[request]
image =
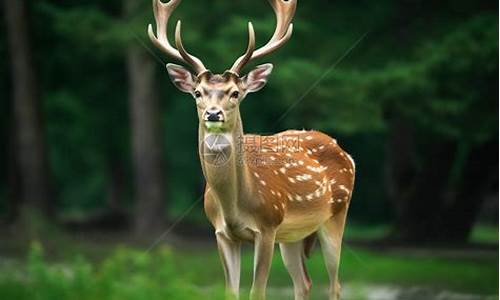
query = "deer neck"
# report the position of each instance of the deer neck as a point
(223, 166)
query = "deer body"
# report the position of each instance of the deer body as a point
(291, 189)
(287, 188)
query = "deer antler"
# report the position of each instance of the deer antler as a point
(162, 12)
(284, 10)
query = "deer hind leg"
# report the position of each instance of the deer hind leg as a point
(293, 258)
(330, 237)
(230, 255)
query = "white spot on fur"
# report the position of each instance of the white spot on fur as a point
(342, 187)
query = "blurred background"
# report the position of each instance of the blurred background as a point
(100, 180)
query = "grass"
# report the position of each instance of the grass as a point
(361, 267)
(83, 270)
(484, 234)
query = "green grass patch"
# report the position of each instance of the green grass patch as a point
(361, 267)
(195, 274)
(366, 232)
(484, 234)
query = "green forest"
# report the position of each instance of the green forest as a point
(100, 170)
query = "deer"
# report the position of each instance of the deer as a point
(290, 188)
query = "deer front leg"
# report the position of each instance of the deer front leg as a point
(230, 255)
(264, 249)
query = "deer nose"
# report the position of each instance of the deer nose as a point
(214, 115)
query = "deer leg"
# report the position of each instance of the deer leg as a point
(293, 258)
(230, 255)
(264, 248)
(330, 236)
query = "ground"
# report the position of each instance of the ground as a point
(110, 266)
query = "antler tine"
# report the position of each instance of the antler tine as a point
(162, 12)
(243, 60)
(190, 59)
(284, 11)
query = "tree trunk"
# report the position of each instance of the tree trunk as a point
(116, 186)
(13, 177)
(400, 170)
(480, 177)
(424, 207)
(146, 138)
(30, 138)
(428, 208)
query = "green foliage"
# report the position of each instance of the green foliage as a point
(445, 89)
(127, 274)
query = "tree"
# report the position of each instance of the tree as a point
(441, 157)
(145, 134)
(436, 113)
(30, 137)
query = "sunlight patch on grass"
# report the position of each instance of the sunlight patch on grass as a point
(365, 231)
(484, 234)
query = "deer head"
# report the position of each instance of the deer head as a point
(218, 96)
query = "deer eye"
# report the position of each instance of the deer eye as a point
(197, 94)
(235, 94)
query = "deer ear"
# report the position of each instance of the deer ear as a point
(181, 77)
(257, 78)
